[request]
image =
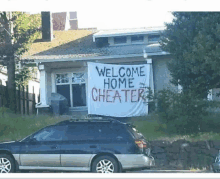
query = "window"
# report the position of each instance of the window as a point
(73, 87)
(120, 40)
(62, 78)
(79, 94)
(78, 132)
(65, 91)
(54, 133)
(137, 38)
(78, 78)
(153, 38)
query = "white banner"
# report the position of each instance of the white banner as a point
(115, 90)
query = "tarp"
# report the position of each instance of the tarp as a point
(116, 90)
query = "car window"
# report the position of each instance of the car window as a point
(54, 133)
(78, 132)
(134, 132)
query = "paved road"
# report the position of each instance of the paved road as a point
(142, 171)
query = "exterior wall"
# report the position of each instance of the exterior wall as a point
(36, 86)
(31, 84)
(161, 74)
(3, 78)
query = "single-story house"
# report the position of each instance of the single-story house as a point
(64, 68)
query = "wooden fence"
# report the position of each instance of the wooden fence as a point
(25, 101)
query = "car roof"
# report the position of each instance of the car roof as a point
(91, 121)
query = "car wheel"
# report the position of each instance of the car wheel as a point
(6, 164)
(105, 164)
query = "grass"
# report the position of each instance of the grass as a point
(152, 129)
(16, 127)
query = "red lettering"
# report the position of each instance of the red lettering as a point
(94, 99)
(132, 95)
(117, 95)
(140, 91)
(103, 96)
(126, 94)
(107, 96)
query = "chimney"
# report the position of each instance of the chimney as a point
(47, 28)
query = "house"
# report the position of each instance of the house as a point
(33, 84)
(63, 65)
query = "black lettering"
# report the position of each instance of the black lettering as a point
(107, 83)
(113, 73)
(120, 72)
(130, 82)
(142, 72)
(108, 72)
(115, 85)
(120, 81)
(101, 72)
(135, 71)
(128, 70)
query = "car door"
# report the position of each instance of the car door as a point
(77, 150)
(43, 148)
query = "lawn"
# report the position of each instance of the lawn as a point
(16, 127)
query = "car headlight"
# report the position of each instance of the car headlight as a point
(217, 159)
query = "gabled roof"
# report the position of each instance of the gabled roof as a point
(79, 45)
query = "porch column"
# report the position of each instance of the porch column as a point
(43, 86)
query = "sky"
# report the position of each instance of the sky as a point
(114, 14)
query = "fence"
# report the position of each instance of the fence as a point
(25, 101)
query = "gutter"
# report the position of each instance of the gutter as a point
(97, 58)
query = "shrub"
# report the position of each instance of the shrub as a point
(183, 113)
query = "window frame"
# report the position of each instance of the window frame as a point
(70, 83)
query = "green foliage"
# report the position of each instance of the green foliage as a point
(23, 76)
(17, 31)
(193, 40)
(185, 113)
(25, 29)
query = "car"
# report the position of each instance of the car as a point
(216, 164)
(93, 145)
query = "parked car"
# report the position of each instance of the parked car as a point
(216, 164)
(102, 146)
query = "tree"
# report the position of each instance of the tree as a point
(18, 31)
(193, 39)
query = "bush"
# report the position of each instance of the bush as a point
(183, 113)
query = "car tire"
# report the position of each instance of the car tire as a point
(7, 164)
(105, 164)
